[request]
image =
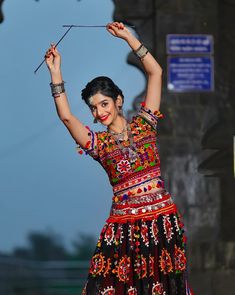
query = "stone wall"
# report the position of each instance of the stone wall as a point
(205, 196)
(1, 13)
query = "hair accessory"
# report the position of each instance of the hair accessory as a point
(141, 51)
(57, 89)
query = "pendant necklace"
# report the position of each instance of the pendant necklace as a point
(127, 151)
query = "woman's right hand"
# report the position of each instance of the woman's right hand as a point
(53, 59)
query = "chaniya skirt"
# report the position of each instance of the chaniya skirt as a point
(141, 250)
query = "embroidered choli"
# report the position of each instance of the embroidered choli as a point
(126, 177)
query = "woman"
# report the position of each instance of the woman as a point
(141, 248)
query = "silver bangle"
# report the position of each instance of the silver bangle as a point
(141, 51)
(57, 89)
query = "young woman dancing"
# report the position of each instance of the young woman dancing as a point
(141, 248)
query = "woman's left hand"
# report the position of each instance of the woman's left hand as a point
(118, 30)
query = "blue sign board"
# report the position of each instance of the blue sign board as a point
(190, 73)
(189, 44)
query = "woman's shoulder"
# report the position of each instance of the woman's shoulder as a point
(146, 116)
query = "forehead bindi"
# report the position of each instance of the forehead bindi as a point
(98, 100)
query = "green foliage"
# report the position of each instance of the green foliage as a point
(84, 246)
(45, 246)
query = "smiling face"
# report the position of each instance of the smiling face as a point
(104, 108)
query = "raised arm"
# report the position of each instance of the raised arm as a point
(151, 67)
(77, 130)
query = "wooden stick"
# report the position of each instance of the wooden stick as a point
(70, 27)
(89, 26)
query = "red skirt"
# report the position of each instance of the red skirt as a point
(141, 250)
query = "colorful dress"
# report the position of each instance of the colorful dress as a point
(141, 248)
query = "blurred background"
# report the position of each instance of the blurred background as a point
(53, 201)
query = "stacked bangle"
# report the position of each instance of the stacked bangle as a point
(141, 51)
(57, 89)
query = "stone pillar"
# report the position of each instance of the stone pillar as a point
(1, 13)
(203, 198)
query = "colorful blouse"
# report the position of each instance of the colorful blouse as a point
(124, 175)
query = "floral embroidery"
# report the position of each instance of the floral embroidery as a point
(141, 222)
(176, 223)
(168, 229)
(132, 291)
(119, 235)
(109, 234)
(165, 262)
(97, 264)
(144, 234)
(150, 117)
(123, 166)
(131, 231)
(107, 267)
(107, 153)
(123, 269)
(154, 231)
(151, 266)
(108, 291)
(141, 267)
(157, 289)
(179, 259)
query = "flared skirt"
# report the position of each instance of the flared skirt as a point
(140, 256)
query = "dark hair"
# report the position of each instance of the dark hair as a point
(103, 85)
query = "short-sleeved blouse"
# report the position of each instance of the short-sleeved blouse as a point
(118, 166)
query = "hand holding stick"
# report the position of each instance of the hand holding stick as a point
(108, 26)
(54, 47)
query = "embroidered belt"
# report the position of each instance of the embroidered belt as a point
(147, 206)
(137, 178)
(137, 185)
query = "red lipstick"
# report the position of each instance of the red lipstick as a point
(103, 118)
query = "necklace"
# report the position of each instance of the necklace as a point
(128, 152)
(119, 135)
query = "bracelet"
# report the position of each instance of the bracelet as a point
(141, 51)
(57, 89)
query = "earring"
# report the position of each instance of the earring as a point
(95, 121)
(120, 112)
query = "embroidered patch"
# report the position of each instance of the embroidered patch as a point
(141, 267)
(132, 291)
(176, 223)
(109, 234)
(131, 231)
(108, 291)
(157, 289)
(154, 231)
(107, 267)
(144, 234)
(97, 264)
(168, 229)
(165, 262)
(122, 270)
(179, 259)
(119, 235)
(123, 166)
(151, 266)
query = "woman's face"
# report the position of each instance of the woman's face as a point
(103, 108)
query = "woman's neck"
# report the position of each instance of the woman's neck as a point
(118, 125)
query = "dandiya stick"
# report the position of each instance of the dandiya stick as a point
(69, 28)
(55, 46)
(89, 26)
